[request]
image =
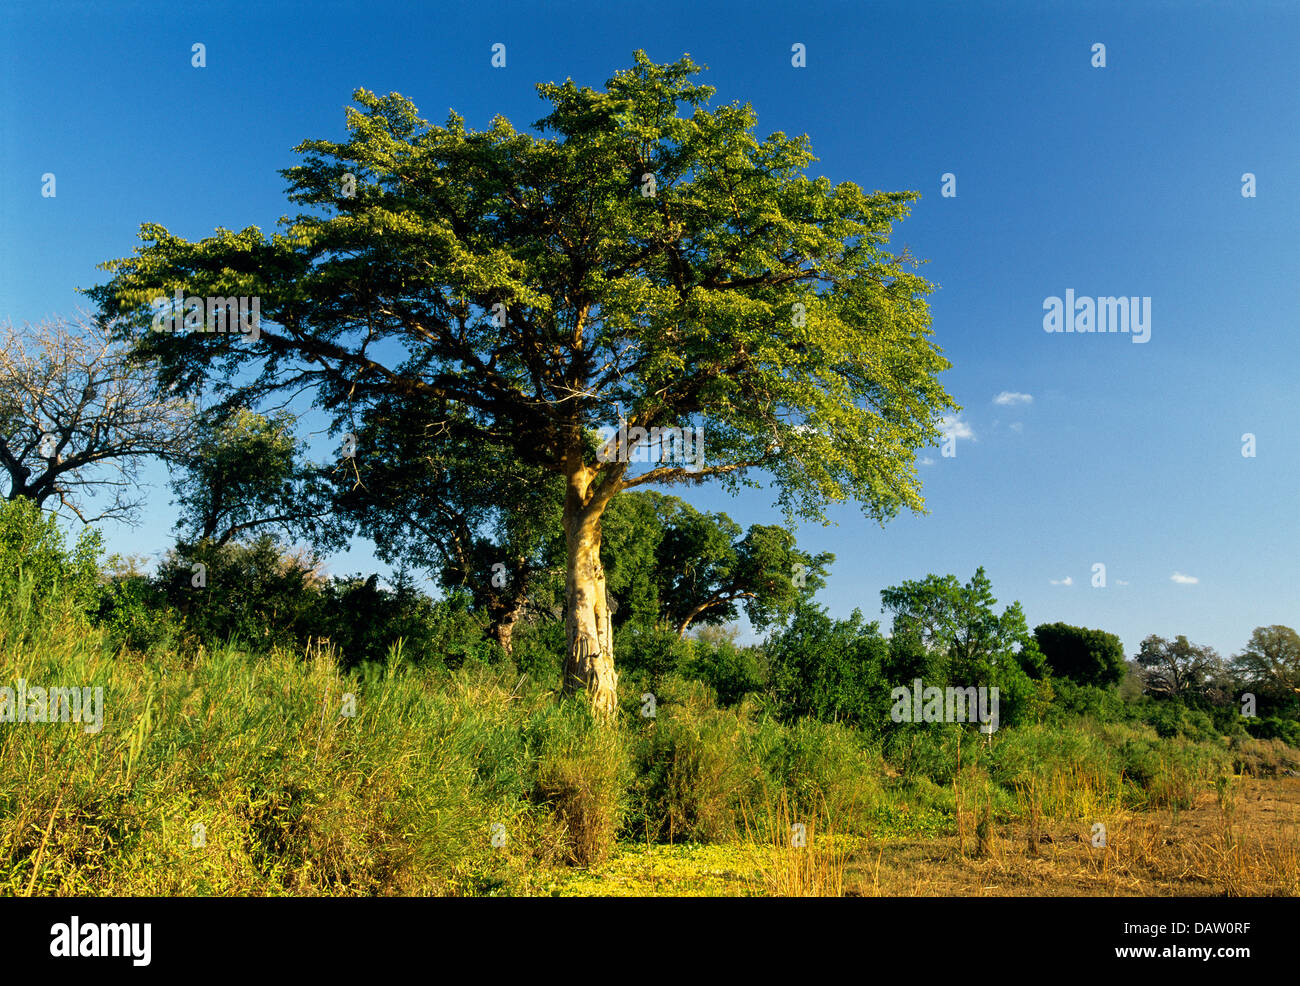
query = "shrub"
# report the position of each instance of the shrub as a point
(582, 777)
(35, 558)
(135, 613)
(732, 672)
(1274, 728)
(828, 669)
(694, 770)
(1101, 704)
(825, 770)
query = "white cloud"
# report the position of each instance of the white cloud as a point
(927, 461)
(1012, 397)
(1068, 580)
(1182, 579)
(1017, 426)
(951, 425)
(1120, 582)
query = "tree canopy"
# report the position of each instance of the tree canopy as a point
(1089, 657)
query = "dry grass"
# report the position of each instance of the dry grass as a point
(800, 856)
(1241, 840)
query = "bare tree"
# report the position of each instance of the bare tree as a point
(77, 418)
(1177, 667)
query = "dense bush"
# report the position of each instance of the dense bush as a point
(732, 672)
(831, 670)
(1089, 657)
(1102, 704)
(1273, 727)
(409, 757)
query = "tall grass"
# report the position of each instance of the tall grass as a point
(224, 772)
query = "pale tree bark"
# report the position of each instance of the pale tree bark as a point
(589, 663)
(503, 625)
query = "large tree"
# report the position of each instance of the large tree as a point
(706, 568)
(436, 494)
(641, 260)
(245, 475)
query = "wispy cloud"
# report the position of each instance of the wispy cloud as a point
(927, 461)
(1017, 426)
(1068, 580)
(951, 425)
(1121, 582)
(1011, 397)
(1182, 579)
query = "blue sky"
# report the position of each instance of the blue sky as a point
(1122, 180)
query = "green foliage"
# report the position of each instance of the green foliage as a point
(539, 651)
(1174, 718)
(468, 510)
(35, 558)
(582, 772)
(671, 564)
(732, 672)
(1088, 657)
(828, 669)
(948, 634)
(705, 569)
(827, 770)
(631, 532)
(693, 771)
(246, 475)
(135, 613)
(1269, 668)
(366, 620)
(649, 653)
(253, 593)
(1101, 704)
(1273, 727)
(940, 614)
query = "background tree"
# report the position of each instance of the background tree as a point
(436, 495)
(78, 417)
(945, 632)
(960, 621)
(705, 569)
(644, 261)
(1270, 665)
(1089, 657)
(1177, 668)
(246, 474)
(256, 593)
(829, 669)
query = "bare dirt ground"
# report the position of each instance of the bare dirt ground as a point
(1245, 842)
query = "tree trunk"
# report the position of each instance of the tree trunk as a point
(589, 633)
(502, 628)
